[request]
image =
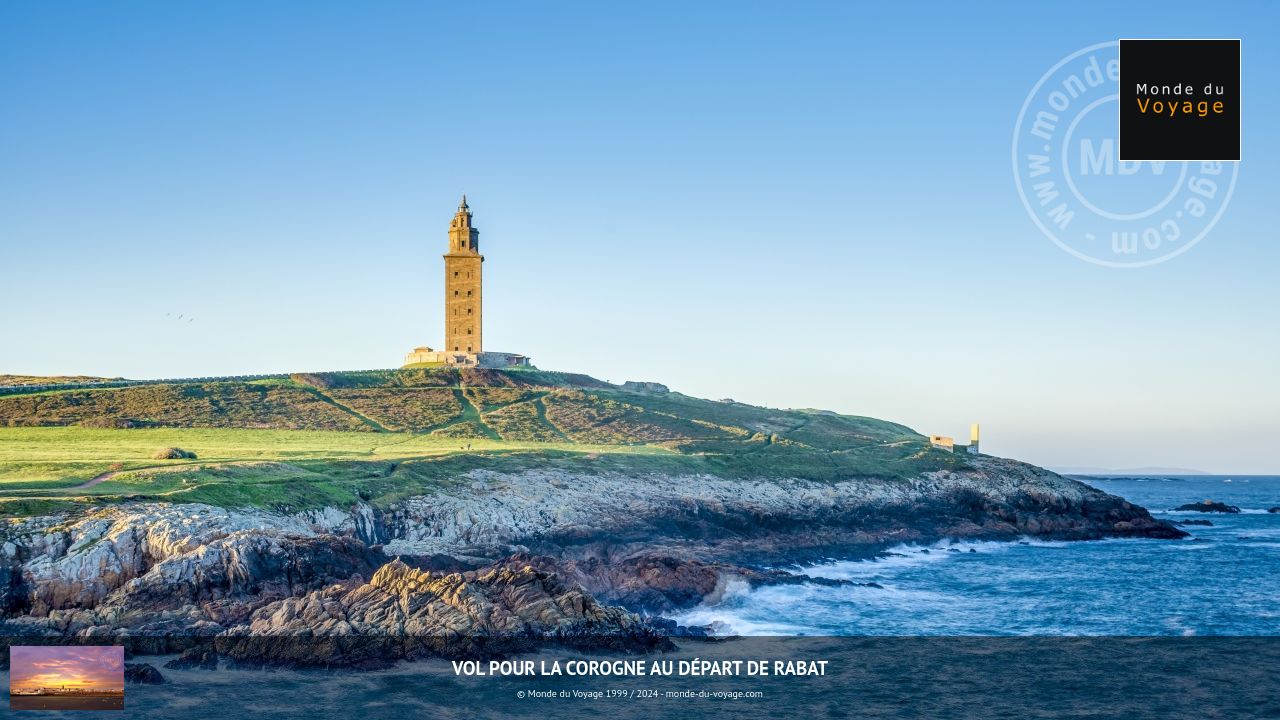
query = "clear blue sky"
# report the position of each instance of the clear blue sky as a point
(791, 204)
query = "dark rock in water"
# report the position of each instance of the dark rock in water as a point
(782, 578)
(1208, 506)
(659, 583)
(196, 657)
(651, 583)
(972, 550)
(1194, 521)
(952, 550)
(925, 551)
(1274, 509)
(142, 674)
(671, 628)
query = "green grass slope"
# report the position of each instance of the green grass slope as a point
(336, 438)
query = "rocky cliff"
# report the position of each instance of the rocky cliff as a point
(499, 563)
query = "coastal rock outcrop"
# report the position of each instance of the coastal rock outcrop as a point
(158, 569)
(1193, 521)
(403, 612)
(142, 674)
(1208, 506)
(747, 521)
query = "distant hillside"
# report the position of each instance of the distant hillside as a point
(23, 380)
(506, 407)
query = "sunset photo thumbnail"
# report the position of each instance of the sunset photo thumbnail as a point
(66, 677)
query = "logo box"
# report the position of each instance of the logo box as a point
(1179, 100)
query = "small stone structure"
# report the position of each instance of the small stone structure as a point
(942, 442)
(427, 356)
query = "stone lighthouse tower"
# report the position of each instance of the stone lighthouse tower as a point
(463, 305)
(463, 309)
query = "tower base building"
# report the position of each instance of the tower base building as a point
(426, 357)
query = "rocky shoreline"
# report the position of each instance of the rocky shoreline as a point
(502, 563)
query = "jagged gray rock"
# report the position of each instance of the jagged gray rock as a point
(403, 612)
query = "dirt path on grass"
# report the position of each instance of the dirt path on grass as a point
(106, 476)
(112, 473)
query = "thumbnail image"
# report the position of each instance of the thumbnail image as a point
(66, 678)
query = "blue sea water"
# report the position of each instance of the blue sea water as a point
(1224, 580)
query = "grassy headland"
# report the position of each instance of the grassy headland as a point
(337, 438)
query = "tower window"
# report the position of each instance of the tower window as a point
(468, 331)
(468, 293)
(455, 273)
(455, 293)
(468, 311)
